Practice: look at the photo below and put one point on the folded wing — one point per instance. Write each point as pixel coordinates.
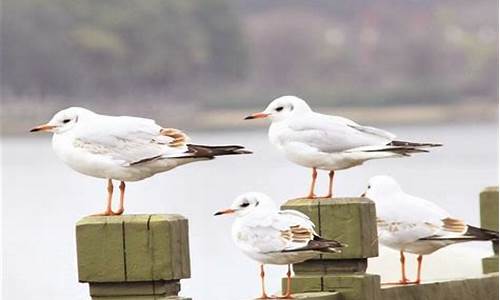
(287, 231)
(335, 134)
(130, 140)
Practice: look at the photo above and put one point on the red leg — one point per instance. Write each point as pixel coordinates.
(121, 209)
(313, 184)
(403, 280)
(108, 211)
(288, 293)
(419, 269)
(330, 185)
(331, 174)
(262, 274)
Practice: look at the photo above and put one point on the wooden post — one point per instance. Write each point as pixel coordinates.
(488, 200)
(348, 220)
(133, 256)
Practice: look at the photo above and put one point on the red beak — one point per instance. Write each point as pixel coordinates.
(224, 212)
(44, 127)
(257, 116)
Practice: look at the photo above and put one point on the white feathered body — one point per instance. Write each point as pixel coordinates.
(402, 220)
(109, 147)
(328, 142)
(260, 235)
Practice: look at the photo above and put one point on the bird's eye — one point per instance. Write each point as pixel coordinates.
(369, 187)
(245, 204)
(278, 109)
(66, 121)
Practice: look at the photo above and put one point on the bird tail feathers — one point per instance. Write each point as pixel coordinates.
(481, 233)
(322, 245)
(472, 234)
(412, 144)
(209, 152)
(398, 147)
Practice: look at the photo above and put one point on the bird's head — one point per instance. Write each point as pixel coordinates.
(247, 203)
(282, 108)
(64, 120)
(381, 186)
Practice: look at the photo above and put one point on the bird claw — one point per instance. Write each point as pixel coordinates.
(107, 213)
(119, 212)
(103, 214)
(402, 282)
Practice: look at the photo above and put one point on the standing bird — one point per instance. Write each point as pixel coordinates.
(122, 148)
(414, 225)
(271, 236)
(325, 142)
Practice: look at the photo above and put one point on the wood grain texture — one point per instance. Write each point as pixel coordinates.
(133, 248)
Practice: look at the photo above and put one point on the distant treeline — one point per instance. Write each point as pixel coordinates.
(222, 52)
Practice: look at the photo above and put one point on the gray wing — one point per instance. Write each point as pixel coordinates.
(335, 134)
(127, 140)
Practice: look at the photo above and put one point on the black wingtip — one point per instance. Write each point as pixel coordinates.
(243, 151)
(212, 151)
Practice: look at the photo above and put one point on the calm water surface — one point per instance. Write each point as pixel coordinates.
(43, 199)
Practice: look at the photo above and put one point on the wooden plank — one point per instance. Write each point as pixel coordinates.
(490, 264)
(484, 288)
(138, 256)
(100, 249)
(143, 288)
(353, 222)
(133, 248)
(354, 286)
(148, 297)
(488, 200)
(304, 284)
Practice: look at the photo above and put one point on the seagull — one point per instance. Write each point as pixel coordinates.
(272, 236)
(331, 143)
(414, 225)
(123, 148)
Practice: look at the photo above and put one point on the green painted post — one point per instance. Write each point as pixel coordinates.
(488, 200)
(353, 222)
(133, 256)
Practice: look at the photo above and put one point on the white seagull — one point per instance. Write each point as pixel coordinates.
(326, 142)
(414, 225)
(270, 236)
(122, 148)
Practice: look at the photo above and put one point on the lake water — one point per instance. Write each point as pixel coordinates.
(43, 199)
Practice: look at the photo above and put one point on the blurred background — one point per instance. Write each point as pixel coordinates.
(433, 60)
(426, 70)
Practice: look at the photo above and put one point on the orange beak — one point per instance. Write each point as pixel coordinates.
(257, 116)
(44, 127)
(224, 212)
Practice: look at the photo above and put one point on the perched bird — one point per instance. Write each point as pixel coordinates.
(414, 225)
(270, 236)
(123, 148)
(325, 142)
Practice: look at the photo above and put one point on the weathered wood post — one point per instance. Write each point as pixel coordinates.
(353, 222)
(489, 220)
(133, 256)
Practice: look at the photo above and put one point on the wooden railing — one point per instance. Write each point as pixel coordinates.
(145, 256)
